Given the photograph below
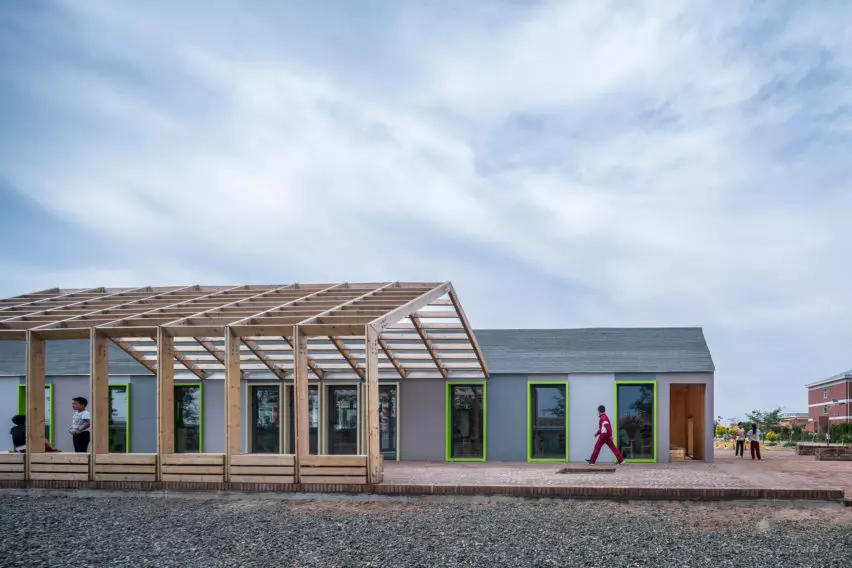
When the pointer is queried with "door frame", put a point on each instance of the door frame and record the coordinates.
(396, 420)
(323, 417)
(126, 411)
(283, 394)
(615, 411)
(448, 426)
(200, 385)
(530, 385)
(22, 407)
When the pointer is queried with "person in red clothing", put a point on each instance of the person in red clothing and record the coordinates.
(604, 436)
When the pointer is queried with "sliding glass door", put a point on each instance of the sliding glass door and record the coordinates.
(343, 420)
(466, 422)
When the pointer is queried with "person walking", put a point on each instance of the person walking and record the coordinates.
(604, 436)
(754, 441)
(740, 447)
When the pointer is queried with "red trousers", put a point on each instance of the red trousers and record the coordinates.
(600, 444)
(755, 449)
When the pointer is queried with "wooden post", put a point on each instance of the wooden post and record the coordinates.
(300, 390)
(99, 394)
(165, 397)
(371, 390)
(232, 398)
(35, 383)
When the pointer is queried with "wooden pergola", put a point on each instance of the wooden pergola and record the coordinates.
(298, 332)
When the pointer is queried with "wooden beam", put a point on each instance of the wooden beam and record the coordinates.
(165, 397)
(389, 354)
(35, 383)
(468, 329)
(315, 318)
(176, 305)
(184, 320)
(312, 364)
(245, 321)
(232, 399)
(99, 397)
(410, 307)
(80, 303)
(348, 356)
(210, 348)
(127, 348)
(371, 389)
(428, 343)
(279, 371)
(300, 405)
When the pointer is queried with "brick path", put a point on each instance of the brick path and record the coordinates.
(779, 469)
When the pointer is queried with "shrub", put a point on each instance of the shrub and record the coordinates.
(789, 444)
(771, 437)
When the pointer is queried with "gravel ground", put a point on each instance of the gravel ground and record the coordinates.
(137, 530)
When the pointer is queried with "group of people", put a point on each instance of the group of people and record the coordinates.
(80, 429)
(754, 436)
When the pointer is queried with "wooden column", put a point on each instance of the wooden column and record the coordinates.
(232, 398)
(35, 382)
(165, 397)
(99, 394)
(300, 391)
(371, 402)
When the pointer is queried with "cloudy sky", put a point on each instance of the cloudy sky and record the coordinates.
(564, 164)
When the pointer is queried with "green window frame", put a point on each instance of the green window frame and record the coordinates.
(48, 412)
(126, 387)
(200, 415)
(448, 427)
(530, 418)
(615, 427)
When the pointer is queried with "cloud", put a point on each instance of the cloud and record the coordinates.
(566, 164)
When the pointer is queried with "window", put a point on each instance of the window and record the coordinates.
(466, 422)
(387, 421)
(547, 422)
(635, 428)
(119, 419)
(189, 418)
(343, 420)
(824, 393)
(825, 409)
(313, 419)
(48, 408)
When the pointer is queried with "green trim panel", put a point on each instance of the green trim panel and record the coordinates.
(126, 386)
(615, 410)
(530, 385)
(448, 433)
(22, 408)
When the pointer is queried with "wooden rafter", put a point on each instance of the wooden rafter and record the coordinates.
(176, 305)
(279, 371)
(291, 303)
(389, 354)
(314, 319)
(210, 348)
(245, 300)
(468, 330)
(428, 343)
(84, 302)
(312, 364)
(347, 354)
(127, 348)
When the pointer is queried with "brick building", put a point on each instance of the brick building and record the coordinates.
(830, 401)
(791, 420)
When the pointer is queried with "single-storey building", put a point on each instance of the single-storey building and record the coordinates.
(445, 391)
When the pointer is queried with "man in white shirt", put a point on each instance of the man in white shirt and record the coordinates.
(81, 421)
(740, 441)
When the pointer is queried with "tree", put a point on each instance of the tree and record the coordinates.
(765, 419)
(721, 430)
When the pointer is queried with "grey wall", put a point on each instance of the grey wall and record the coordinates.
(585, 393)
(664, 382)
(143, 412)
(64, 389)
(422, 418)
(214, 417)
(8, 408)
(506, 408)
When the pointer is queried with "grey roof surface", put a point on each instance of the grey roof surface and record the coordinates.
(594, 350)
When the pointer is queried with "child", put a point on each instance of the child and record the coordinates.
(80, 423)
(19, 435)
(604, 436)
(754, 441)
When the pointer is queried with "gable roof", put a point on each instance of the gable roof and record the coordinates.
(596, 350)
(839, 377)
(522, 351)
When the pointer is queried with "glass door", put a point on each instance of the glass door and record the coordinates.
(119, 419)
(313, 418)
(188, 418)
(343, 420)
(466, 422)
(265, 419)
(387, 421)
(548, 422)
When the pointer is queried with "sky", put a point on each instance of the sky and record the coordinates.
(564, 164)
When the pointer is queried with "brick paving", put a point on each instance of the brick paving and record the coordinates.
(779, 469)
